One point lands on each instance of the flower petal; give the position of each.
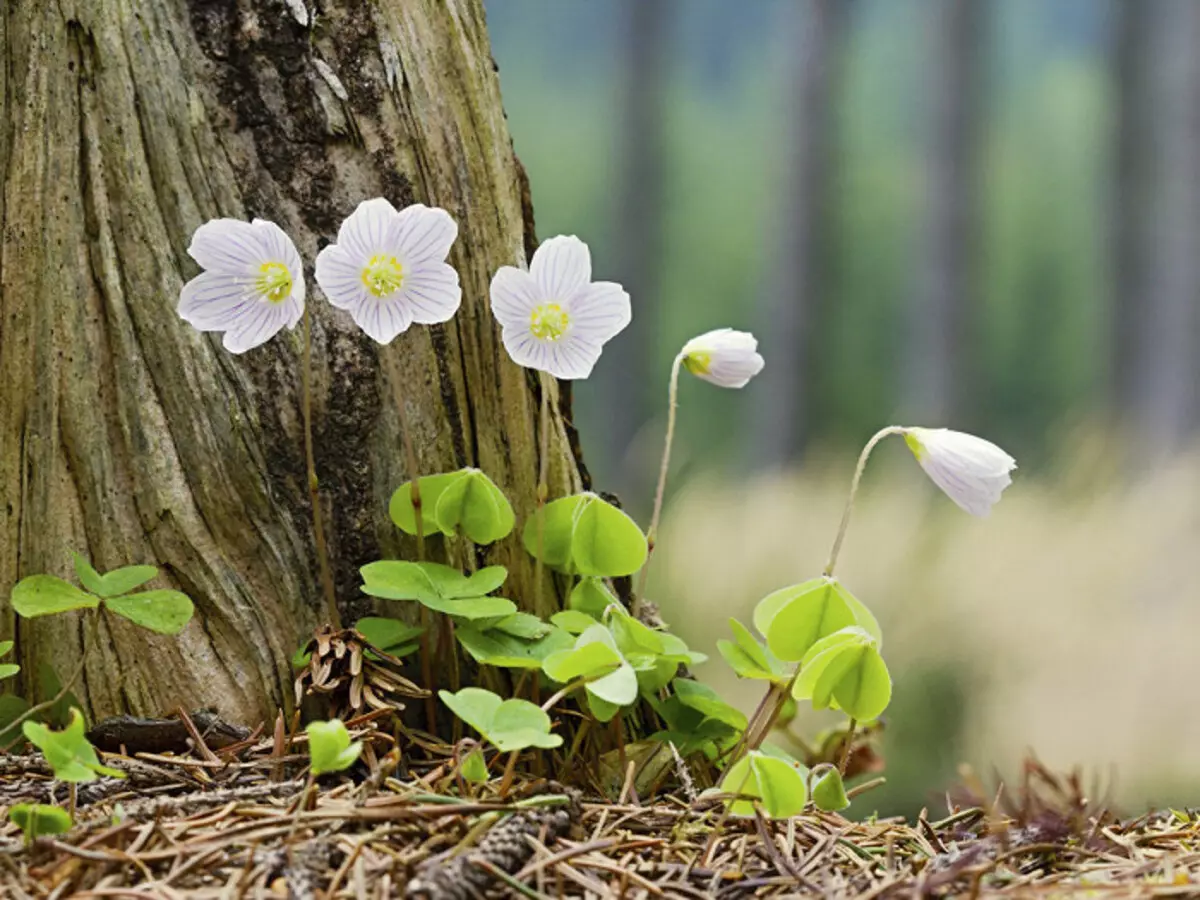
(514, 295)
(383, 319)
(256, 327)
(230, 245)
(599, 311)
(432, 294)
(561, 266)
(213, 300)
(367, 230)
(421, 234)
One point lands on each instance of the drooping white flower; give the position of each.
(388, 269)
(725, 357)
(554, 317)
(252, 284)
(971, 471)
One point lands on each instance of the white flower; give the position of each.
(252, 284)
(972, 472)
(554, 317)
(725, 357)
(388, 269)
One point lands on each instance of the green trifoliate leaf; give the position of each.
(117, 582)
(401, 511)
(591, 596)
(595, 655)
(398, 580)
(36, 819)
(707, 702)
(473, 504)
(748, 658)
(166, 612)
(45, 595)
(438, 587)
(330, 748)
(472, 608)
(393, 637)
(632, 636)
(799, 616)
(829, 792)
(474, 767)
(606, 541)
(508, 724)
(522, 625)
(498, 648)
(573, 621)
(846, 667)
(777, 786)
(558, 518)
(68, 752)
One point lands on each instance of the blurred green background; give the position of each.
(976, 213)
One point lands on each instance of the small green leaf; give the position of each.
(68, 752)
(486, 580)
(573, 621)
(44, 595)
(606, 541)
(497, 648)
(508, 724)
(36, 819)
(401, 511)
(829, 792)
(631, 635)
(7, 670)
(778, 785)
(5, 647)
(473, 607)
(391, 636)
(807, 613)
(473, 503)
(592, 597)
(166, 612)
(559, 518)
(705, 700)
(523, 625)
(117, 582)
(394, 579)
(329, 747)
(846, 667)
(595, 653)
(474, 767)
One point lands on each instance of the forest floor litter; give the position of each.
(240, 821)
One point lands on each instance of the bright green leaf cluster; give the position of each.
(508, 724)
(163, 611)
(68, 752)
(465, 501)
(796, 617)
(329, 747)
(36, 819)
(584, 535)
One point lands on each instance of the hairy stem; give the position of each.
(314, 486)
(660, 490)
(858, 473)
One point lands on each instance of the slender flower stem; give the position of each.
(842, 763)
(543, 488)
(652, 532)
(414, 477)
(764, 717)
(858, 473)
(314, 486)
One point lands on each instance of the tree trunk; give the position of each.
(794, 300)
(126, 435)
(935, 377)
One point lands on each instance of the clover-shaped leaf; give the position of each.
(393, 637)
(779, 786)
(596, 656)
(495, 647)
(400, 508)
(114, 583)
(522, 625)
(473, 504)
(7, 670)
(750, 659)
(846, 668)
(591, 596)
(45, 595)
(329, 747)
(585, 535)
(706, 701)
(166, 612)
(508, 724)
(68, 752)
(439, 587)
(36, 819)
(829, 791)
(796, 617)
(573, 621)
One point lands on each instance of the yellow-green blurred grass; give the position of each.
(1067, 623)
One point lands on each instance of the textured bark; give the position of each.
(936, 378)
(128, 436)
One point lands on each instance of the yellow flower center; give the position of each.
(383, 275)
(698, 363)
(274, 282)
(549, 322)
